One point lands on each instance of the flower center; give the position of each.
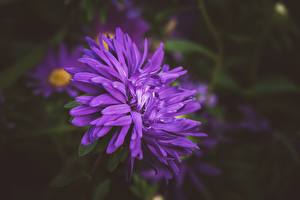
(59, 78)
(107, 34)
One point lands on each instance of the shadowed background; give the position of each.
(246, 51)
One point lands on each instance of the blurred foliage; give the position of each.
(101, 190)
(183, 46)
(247, 52)
(142, 189)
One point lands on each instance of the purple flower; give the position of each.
(192, 172)
(181, 25)
(128, 96)
(203, 95)
(50, 76)
(126, 6)
(126, 17)
(251, 121)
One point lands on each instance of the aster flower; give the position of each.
(126, 17)
(126, 6)
(50, 77)
(250, 121)
(129, 97)
(181, 25)
(192, 172)
(203, 95)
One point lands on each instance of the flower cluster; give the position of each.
(203, 95)
(129, 97)
(192, 171)
(50, 76)
(127, 17)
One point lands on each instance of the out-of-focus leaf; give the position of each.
(289, 146)
(63, 180)
(102, 144)
(89, 8)
(273, 86)
(185, 46)
(71, 172)
(165, 13)
(10, 75)
(84, 150)
(216, 111)
(71, 104)
(141, 189)
(101, 190)
(59, 129)
(241, 39)
(58, 37)
(114, 160)
(102, 15)
(227, 82)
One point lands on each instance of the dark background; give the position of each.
(260, 69)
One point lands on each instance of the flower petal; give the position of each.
(103, 99)
(137, 119)
(121, 136)
(122, 121)
(83, 110)
(116, 109)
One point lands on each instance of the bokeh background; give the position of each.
(245, 52)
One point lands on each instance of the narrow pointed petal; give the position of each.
(116, 109)
(122, 121)
(104, 130)
(84, 77)
(84, 99)
(138, 124)
(103, 99)
(83, 110)
(111, 148)
(82, 121)
(121, 137)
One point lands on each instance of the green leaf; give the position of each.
(102, 190)
(84, 150)
(103, 142)
(227, 82)
(289, 146)
(185, 46)
(72, 171)
(273, 86)
(119, 156)
(63, 180)
(60, 181)
(59, 129)
(71, 104)
(12, 74)
(141, 189)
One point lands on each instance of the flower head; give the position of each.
(203, 95)
(129, 98)
(126, 17)
(250, 121)
(50, 75)
(192, 172)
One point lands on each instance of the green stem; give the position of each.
(256, 57)
(218, 42)
(95, 165)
